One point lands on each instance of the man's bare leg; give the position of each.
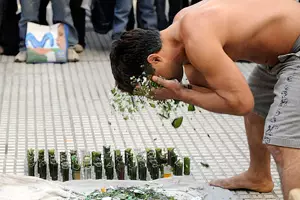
(258, 176)
(288, 162)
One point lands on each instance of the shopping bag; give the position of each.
(47, 44)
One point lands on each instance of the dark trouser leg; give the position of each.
(195, 1)
(121, 13)
(78, 15)
(43, 12)
(9, 30)
(30, 9)
(185, 3)
(62, 13)
(146, 15)
(162, 22)
(131, 20)
(175, 7)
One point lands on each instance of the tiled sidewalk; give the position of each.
(67, 106)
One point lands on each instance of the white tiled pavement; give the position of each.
(66, 107)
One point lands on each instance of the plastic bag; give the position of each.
(47, 44)
(32, 188)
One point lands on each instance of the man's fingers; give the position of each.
(165, 83)
(158, 80)
(158, 94)
(155, 92)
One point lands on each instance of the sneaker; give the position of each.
(78, 48)
(72, 55)
(21, 57)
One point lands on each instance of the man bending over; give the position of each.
(206, 39)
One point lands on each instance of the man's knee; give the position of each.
(286, 158)
(277, 153)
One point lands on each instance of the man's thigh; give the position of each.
(261, 83)
(282, 126)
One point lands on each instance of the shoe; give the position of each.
(1, 50)
(72, 55)
(21, 56)
(78, 48)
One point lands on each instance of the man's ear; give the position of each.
(154, 58)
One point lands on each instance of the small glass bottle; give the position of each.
(167, 171)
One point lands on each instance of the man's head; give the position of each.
(138, 50)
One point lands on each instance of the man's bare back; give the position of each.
(249, 29)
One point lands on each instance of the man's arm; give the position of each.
(225, 89)
(200, 96)
(229, 91)
(194, 76)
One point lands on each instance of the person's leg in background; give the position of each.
(162, 21)
(9, 30)
(43, 12)
(2, 20)
(122, 11)
(62, 13)
(175, 7)
(185, 3)
(78, 15)
(131, 20)
(146, 14)
(30, 9)
(195, 1)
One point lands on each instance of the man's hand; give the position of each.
(171, 89)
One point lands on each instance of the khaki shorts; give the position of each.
(276, 92)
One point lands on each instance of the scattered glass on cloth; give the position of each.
(34, 188)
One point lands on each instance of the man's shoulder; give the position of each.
(198, 28)
(181, 14)
(191, 29)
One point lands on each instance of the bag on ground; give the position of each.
(47, 44)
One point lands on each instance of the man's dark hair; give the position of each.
(129, 54)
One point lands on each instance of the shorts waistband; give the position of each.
(294, 52)
(296, 47)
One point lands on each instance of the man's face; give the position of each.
(169, 69)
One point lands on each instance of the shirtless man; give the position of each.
(207, 38)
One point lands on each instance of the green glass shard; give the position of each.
(204, 165)
(191, 107)
(177, 122)
(152, 105)
(176, 101)
(126, 118)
